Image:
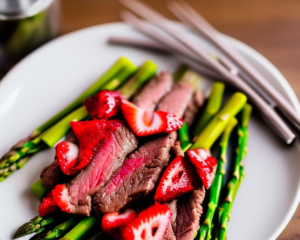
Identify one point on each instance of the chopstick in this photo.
(273, 118)
(159, 47)
(188, 15)
(149, 44)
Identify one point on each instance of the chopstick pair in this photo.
(226, 69)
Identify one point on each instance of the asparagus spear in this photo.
(217, 125)
(121, 65)
(55, 133)
(33, 144)
(184, 137)
(60, 230)
(141, 78)
(181, 70)
(215, 190)
(82, 228)
(212, 107)
(238, 175)
(146, 71)
(144, 74)
(37, 224)
(7, 171)
(38, 189)
(62, 127)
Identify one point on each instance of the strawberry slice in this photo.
(143, 125)
(176, 181)
(48, 205)
(150, 224)
(91, 135)
(59, 194)
(67, 156)
(205, 164)
(104, 104)
(112, 221)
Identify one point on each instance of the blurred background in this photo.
(272, 27)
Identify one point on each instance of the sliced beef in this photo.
(140, 171)
(177, 100)
(169, 234)
(106, 161)
(150, 95)
(193, 107)
(147, 98)
(189, 211)
(137, 177)
(177, 149)
(52, 175)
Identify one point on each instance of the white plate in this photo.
(51, 77)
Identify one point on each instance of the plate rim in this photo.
(236, 44)
(295, 102)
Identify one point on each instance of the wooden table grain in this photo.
(272, 27)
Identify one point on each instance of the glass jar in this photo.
(24, 26)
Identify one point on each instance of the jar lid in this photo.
(17, 9)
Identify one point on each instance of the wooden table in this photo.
(269, 26)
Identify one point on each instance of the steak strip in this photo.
(106, 161)
(153, 91)
(147, 98)
(193, 107)
(141, 170)
(189, 211)
(169, 234)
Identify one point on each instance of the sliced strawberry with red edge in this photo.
(112, 221)
(91, 135)
(205, 164)
(151, 223)
(67, 156)
(60, 197)
(48, 206)
(143, 125)
(175, 181)
(104, 104)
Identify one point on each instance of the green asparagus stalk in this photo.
(33, 143)
(181, 70)
(215, 190)
(184, 137)
(7, 171)
(82, 228)
(60, 230)
(112, 73)
(38, 189)
(142, 76)
(191, 77)
(35, 225)
(217, 125)
(238, 175)
(55, 133)
(16, 154)
(212, 107)
(61, 128)
(145, 72)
